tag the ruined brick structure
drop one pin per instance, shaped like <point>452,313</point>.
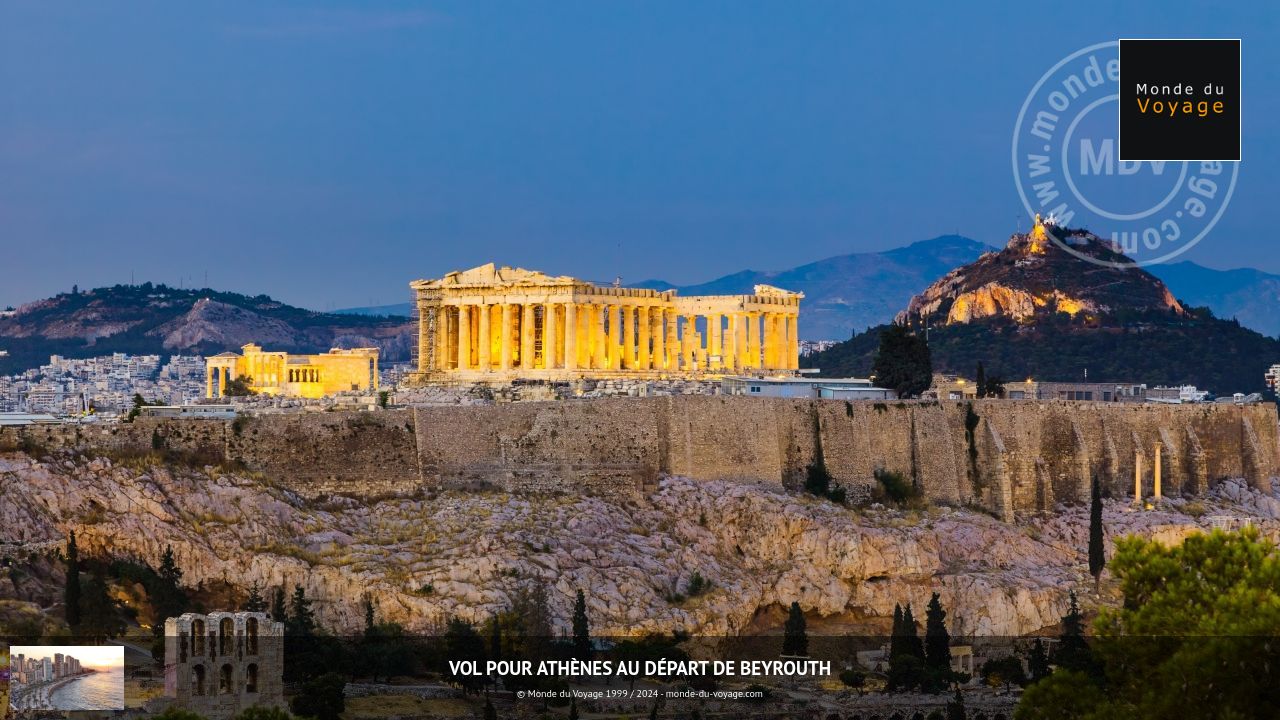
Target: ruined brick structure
<point>219,664</point>
<point>1009,456</point>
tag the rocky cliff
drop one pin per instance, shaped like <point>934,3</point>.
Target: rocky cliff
<point>454,553</point>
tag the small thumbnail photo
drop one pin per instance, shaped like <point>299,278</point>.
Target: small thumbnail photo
<point>66,677</point>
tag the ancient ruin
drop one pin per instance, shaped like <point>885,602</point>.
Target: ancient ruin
<point>492,324</point>
<point>281,373</point>
<point>219,664</point>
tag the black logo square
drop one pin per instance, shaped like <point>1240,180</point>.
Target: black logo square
<point>1179,99</point>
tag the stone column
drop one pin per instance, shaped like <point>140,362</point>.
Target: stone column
<point>223,376</point>
<point>1155,490</point>
<point>685,325</point>
<point>770,340</point>
<point>729,346</point>
<point>794,341</point>
<point>715,344</point>
<point>614,361</point>
<point>464,337</point>
<point>208,381</point>
<point>424,337</point>
<point>485,341</point>
<point>570,336</point>
<point>599,341</point>
<point>1137,478</point>
<point>658,330</point>
<point>526,336</point>
<point>753,340</point>
<point>628,337</point>
<point>444,338</point>
<point>642,343</point>
<point>740,340</point>
<point>550,341</point>
<point>505,338</point>
<point>673,340</point>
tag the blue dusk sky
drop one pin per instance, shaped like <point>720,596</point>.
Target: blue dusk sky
<point>328,153</point>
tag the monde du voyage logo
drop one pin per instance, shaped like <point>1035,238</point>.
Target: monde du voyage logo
<point>1134,140</point>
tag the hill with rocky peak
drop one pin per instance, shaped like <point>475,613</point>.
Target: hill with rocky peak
<point>1033,276</point>
<point>156,319</point>
<point>1034,309</point>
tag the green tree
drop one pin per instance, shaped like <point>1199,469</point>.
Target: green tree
<point>1073,652</point>
<point>903,363</point>
<point>955,708</point>
<point>168,597</point>
<point>1004,671</point>
<point>795,640</point>
<point>240,386</point>
<point>937,646</point>
<point>278,611</point>
<point>71,595</point>
<point>1037,662</point>
<point>1193,638</point>
<point>980,381</point>
<point>98,612</point>
<point>321,698</point>
<point>462,643</point>
<point>255,602</point>
<point>1097,551</point>
<point>906,654</point>
<point>581,629</point>
<point>301,621</point>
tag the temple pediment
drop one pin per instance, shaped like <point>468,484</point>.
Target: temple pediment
<point>490,275</point>
<point>771,291</point>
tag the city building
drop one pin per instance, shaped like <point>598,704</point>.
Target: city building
<point>801,387</point>
<point>220,664</point>
<point>952,387</point>
<point>1273,378</point>
<point>492,324</point>
<point>282,373</point>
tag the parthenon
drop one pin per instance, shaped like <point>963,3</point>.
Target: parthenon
<point>497,324</point>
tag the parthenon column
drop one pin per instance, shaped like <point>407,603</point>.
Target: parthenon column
<point>753,340</point>
<point>769,339</point>
<point>599,349</point>
<point>614,361</point>
<point>550,341</point>
<point>527,323</point>
<point>642,343</point>
<point>424,362</point>
<point>570,336</point>
<point>628,337</point>
<point>504,336</point>
<point>443,338</point>
<point>658,327</point>
<point>464,337</point>
<point>730,346</point>
<point>485,343</point>
<point>208,381</point>
<point>793,341</point>
<point>715,347</point>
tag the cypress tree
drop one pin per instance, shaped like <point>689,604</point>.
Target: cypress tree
<point>278,612</point>
<point>795,641</point>
<point>1038,662</point>
<point>302,620</point>
<point>911,634</point>
<point>937,645</point>
<point>71,597</point>
<point>581,629</point>
<point>895,639</point>
<point>1097,554</point>
<point>980,381</point>
<point>255,602</point>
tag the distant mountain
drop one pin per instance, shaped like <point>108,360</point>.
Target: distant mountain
<point>155,319</point>
<point>396,310</point>
<point>1248,295</point>
<point>1034,310</point>
<point>849,292</point>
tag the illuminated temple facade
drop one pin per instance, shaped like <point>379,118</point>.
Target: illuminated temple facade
<point>501,324</point>
<point>281,373</point>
